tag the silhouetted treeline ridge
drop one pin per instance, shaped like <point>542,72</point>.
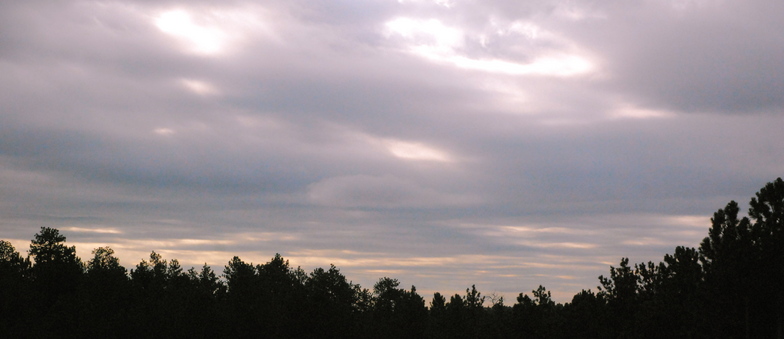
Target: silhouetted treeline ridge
<point>729,287</point>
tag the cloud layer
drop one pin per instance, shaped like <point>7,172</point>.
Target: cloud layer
<point>444,143</point>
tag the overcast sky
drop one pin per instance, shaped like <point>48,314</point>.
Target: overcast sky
<point>444,143</point>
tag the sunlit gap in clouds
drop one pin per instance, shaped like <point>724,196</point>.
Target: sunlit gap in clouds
<point>445,3</point>
<point>214,32</point>
<point>415,151</point>
<point>162,131</point>
<point>627,111</point>
<point>406,149</point>
<point>437,273</point>
<point>384,261</point>
<point>435,41</point>
<point>92,230</point>
<point>189,251</point>
<point>199,87</point>
<point>556,238</point>
<point>199,39</point>
<point>530,236</point>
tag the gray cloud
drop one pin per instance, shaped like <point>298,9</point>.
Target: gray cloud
<point>497,143</point>
<point>696,56</point>
<point>379,192</point>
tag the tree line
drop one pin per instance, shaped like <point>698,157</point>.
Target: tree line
<point>728,287</point>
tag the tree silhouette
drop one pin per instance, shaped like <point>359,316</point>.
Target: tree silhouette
<point>438,325</point>
<point>56,275</point>
<point>474,312</point>
<point>242,299</point>
<point>398,313</point>
<point>744,265</point>
<point>205,296</point>
<point>537,317</point>
<point>15,291</point>
<point>586,316</point>
<point>767,211</point>
<point>333,304</point>
<point>283,293</point>
<point>57,269</point>
<point>498,323</point>
<point>105,295</point>
<point>207,282</point>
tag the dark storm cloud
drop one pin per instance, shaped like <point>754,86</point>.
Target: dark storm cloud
<point>441,142</point>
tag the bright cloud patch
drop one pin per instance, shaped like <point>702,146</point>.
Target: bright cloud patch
<point>199,87</point>
<point>199,38</point>
<point>430,33</point>
<point>415,151</point>
<point>554,65</point>
<point>445,3</point>
<point>435,41</point>
<point>92,230</point>
<point>631,112</point>
<point>163,131</point>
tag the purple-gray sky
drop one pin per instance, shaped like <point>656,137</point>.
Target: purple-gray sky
<point>445,143</point>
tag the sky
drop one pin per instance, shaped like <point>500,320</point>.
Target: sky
<point>444,143</point>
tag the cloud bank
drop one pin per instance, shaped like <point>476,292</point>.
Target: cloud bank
<point>444,143</point>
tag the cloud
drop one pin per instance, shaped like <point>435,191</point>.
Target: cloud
<point>435,41</point>
<point>512,144</point>
<point>379,192</point>
<point>415,151</point>
<point>711,56</point>
<point>201,39</point>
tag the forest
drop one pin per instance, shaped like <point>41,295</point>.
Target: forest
<point>728,287</point>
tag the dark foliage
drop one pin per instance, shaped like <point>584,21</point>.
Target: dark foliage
<point>730,287</point>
